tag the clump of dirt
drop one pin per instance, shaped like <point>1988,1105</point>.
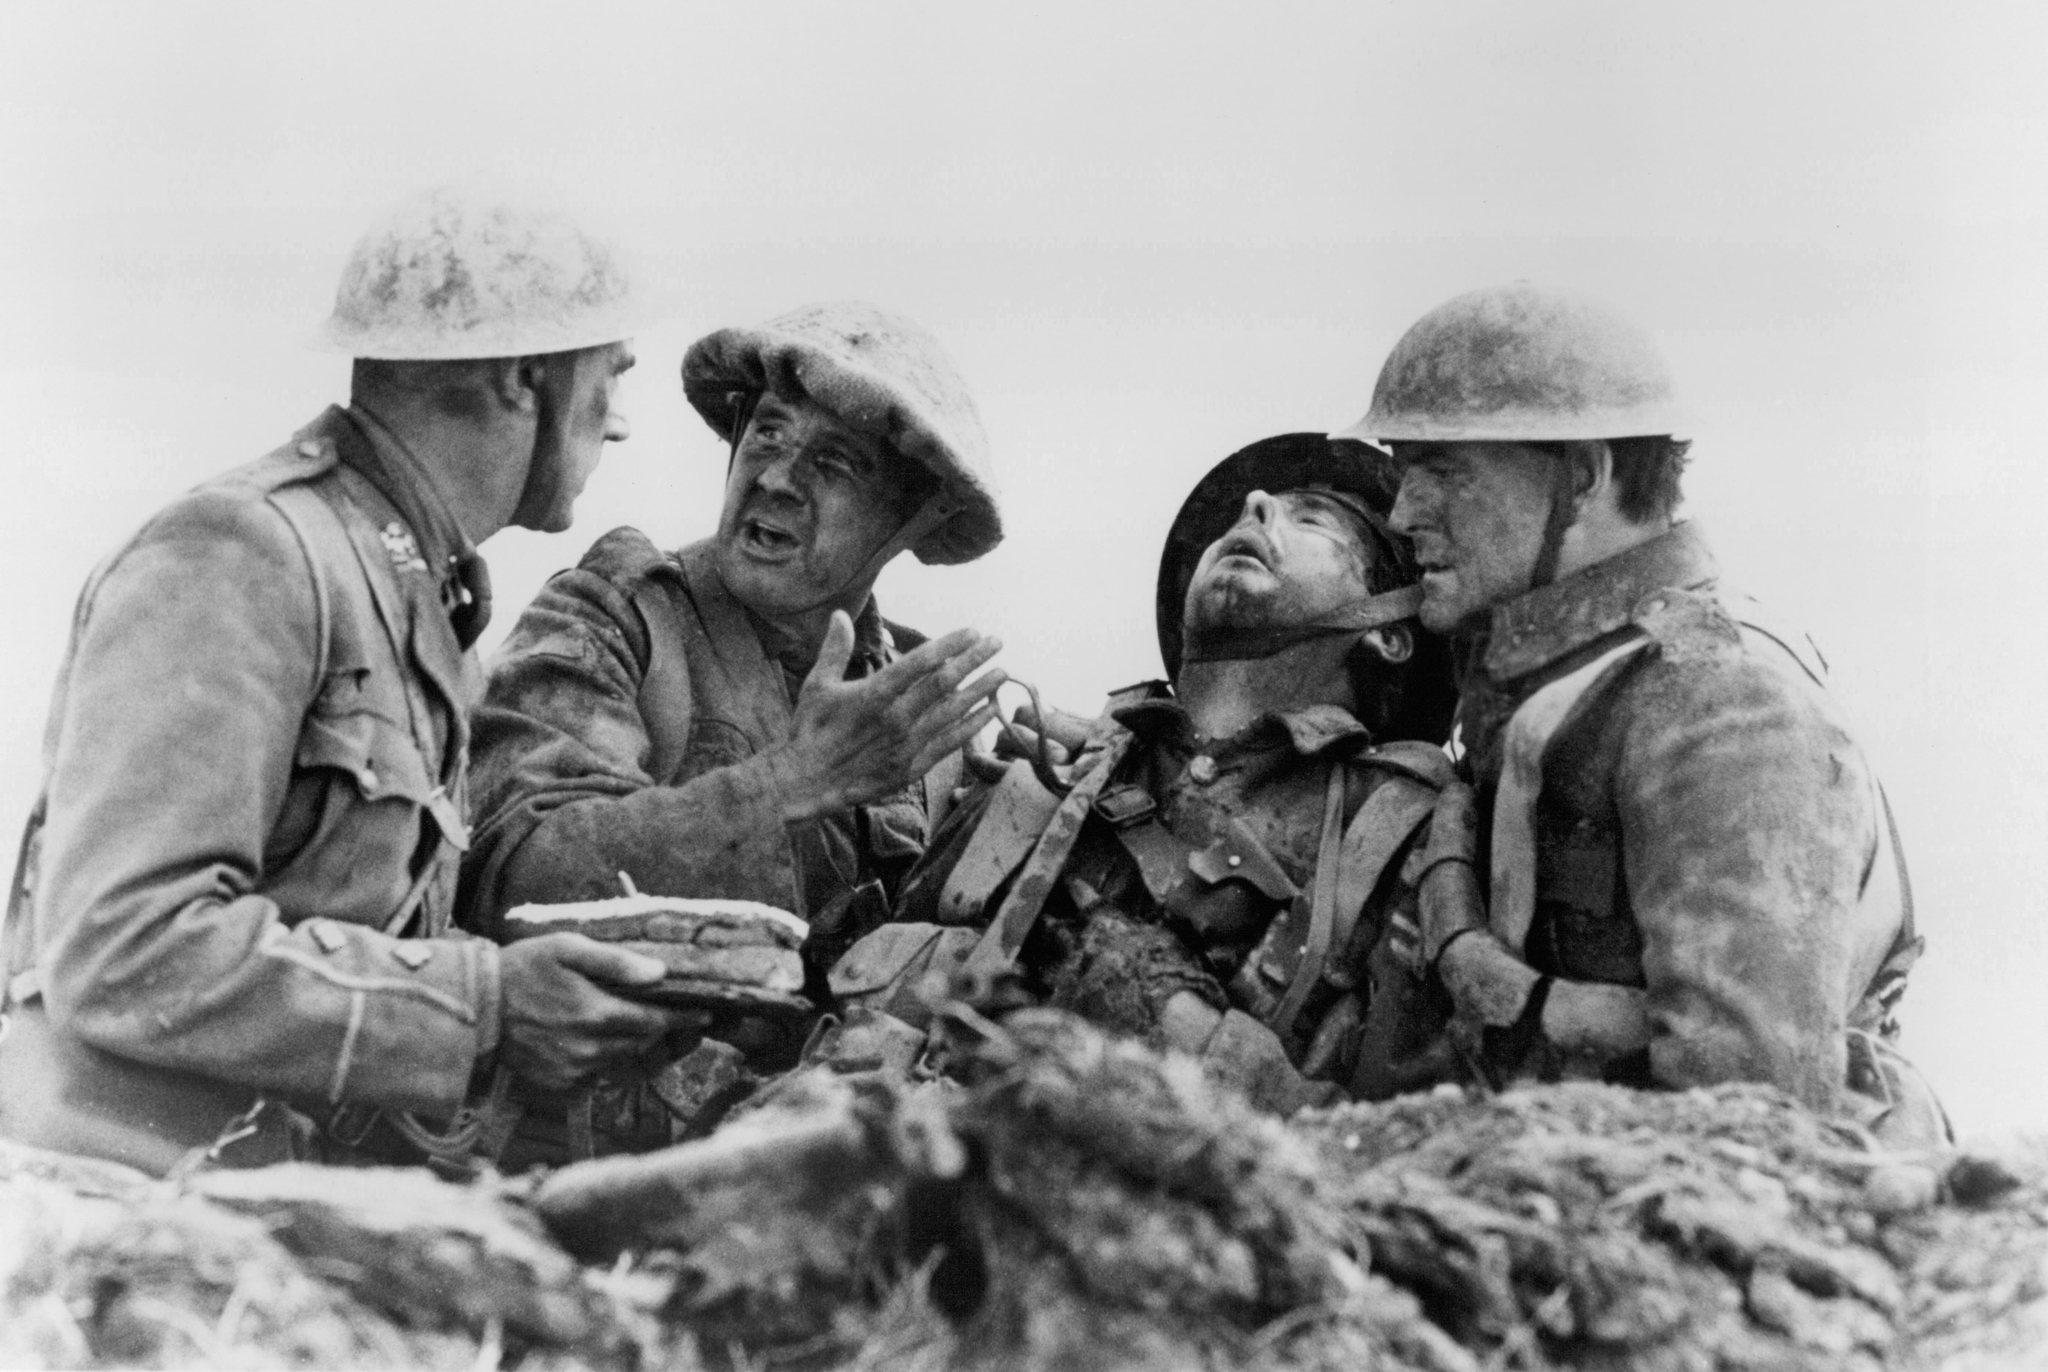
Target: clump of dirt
<point>1591,1226</point>
<point>1071,1200</point>
<point>295,1267</point>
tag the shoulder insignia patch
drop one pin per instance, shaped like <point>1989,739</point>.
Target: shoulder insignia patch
<point>405,553</point>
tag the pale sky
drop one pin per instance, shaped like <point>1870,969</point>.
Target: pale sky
<point>1148,234</point>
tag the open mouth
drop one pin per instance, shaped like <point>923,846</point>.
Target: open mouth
<point>767,540</point>
<point>1245,544</point>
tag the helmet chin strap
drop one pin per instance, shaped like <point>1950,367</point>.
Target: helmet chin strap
<point>1235,644</point>
<point>1555,524</point>
<point>544,466</point>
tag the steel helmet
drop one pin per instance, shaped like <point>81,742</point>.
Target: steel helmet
<point>458,274</point>
<point>1517,364</point>
<point>880,373</point>
<point>1368,479</point>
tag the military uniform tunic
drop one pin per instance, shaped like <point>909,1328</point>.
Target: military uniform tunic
<point>1707,827</point>
<point>243,875</point>
<point>1111,949</point>
<point>572,723</point>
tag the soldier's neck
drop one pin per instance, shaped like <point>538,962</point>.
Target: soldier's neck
<point>795,638</point>
<point>477,467</point>
<point>1223,699</point>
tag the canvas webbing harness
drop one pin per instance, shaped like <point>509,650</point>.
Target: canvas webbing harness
<point>1349,859</point>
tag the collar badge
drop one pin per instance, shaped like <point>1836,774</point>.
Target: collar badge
<point>405,553</point>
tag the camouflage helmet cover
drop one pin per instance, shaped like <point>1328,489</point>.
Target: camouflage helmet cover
<point>464,273</point>
<point>877,371</point>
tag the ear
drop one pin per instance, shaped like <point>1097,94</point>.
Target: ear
<point>517,382</point>
<point>1393,642</point>
<point>1592,467</point>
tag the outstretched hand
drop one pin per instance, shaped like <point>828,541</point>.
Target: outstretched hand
<point>854,742</point>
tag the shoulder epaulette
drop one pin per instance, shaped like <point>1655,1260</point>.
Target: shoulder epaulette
<point>1686,623</point>
<point>299,460</point>
<point>1423,762</point>
<point>626,555</point>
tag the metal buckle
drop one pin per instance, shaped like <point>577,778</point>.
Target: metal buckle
<point>1125,805</point>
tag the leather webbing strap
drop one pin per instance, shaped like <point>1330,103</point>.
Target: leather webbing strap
<point>1019,809</point>
<point>1529,731</point>
<point>664,683</point>
<point>1005,934</point>
<point>1322,923</point>
<point>1397,807</point>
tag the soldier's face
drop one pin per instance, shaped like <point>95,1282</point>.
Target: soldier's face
<point>582,416</point>
<point>1476,512</point>
<point>807,502</point>
<point>1290,559</point>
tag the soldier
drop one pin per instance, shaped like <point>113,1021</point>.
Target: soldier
<point>1213,880</point>
<point>230,933</point>
<point>1692,872</point>
<point>736,718</point>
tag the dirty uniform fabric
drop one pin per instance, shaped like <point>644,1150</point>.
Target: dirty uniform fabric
<point>1706,829</point>
<point>1224,913</point>
<point>564,739</point>
<point>607,744</point>
<point>240,878</point>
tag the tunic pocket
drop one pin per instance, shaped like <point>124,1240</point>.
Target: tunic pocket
<point>378,755</point>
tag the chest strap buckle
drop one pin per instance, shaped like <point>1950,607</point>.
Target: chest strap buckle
<point>1125,805</point>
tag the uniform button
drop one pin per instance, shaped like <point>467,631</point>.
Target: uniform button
<point>413,955</point>
<point>1654,604</point>
<point>1235,860</point>
<point>369,778</point>
<point>309,449</point>
<point>1202,770</point>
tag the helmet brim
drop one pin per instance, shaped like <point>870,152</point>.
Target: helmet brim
<point>724,369</point>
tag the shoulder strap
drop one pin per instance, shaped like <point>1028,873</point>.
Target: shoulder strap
<point>1529,731</point>
<point>1019,809</point>
<point>1392,815</point>
<point>1351,860</point>
<point>664,682</point>
<point>1322,924</point>
<point>1005,934</point>
<point>326,541</point>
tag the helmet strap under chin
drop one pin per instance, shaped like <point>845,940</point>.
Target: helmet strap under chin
<point>1556,522</point>
<point>1233,643</point>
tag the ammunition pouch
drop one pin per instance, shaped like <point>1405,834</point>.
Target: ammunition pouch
<point>866,1040</point>
<point>890,969</point>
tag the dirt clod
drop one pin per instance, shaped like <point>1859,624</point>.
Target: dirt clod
<point>1071,1200</point>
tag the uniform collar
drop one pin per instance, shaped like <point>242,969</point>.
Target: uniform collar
<point>390,466</point>
<point>874,647</point>
<point>1543,625</point>
<point>1307,731</point>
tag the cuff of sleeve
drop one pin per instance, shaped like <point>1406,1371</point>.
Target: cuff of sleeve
<point>490,1001</point>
